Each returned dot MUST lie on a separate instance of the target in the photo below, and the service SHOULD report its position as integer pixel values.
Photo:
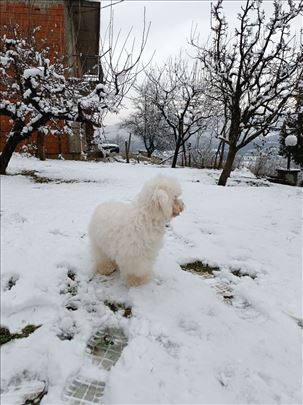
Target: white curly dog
(128, 236)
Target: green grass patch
(240, 273)
(35, 177)
(72, 284)
(116, 306)
(200, 268)
(72, 287)
(6, 336)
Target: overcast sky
(171, 23)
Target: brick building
(73, 27)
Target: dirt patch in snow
(6, 336)
(200, 268)
(36, 178)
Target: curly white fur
(128, 236)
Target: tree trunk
(8, 150)
(221, 156)
(227, 166)
(89, 136)
(184, 155)
(179, 133)
(127, 147)
(177, 149)
(288, 160)
(126, 151)
(216, 155)
(175, 158)
(40, 146)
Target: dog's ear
(161, 201)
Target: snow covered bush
(264, 161)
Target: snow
(4, 61)
(110, 145)
(291, 140)
(33, 72)
(27, 93)
(186, 344)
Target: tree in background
(252, 74)
(147, 122)
(178, 91)
(38, 92)
(205, 146)
(264, 160)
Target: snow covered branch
(178, 91)
(252, 75)
(37, 90)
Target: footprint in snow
(103, 350)
(24, 390)
(57, 232)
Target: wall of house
(47, 14)
(71, 27)
(86, 22)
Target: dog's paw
(136, 281)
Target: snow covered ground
(226, 339)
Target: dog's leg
(135, 281)
(104, 265)
(136, 271)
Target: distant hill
(272, 141)
(119, 135)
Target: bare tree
(263, 160)
(120, 56)
(177, 89)
(147, 122)
(252, 74)
(37, 91)
(206, 146)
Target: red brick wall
(49, 15)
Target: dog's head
(162, 193)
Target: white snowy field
(186, 342)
